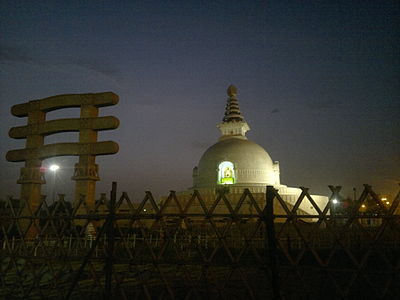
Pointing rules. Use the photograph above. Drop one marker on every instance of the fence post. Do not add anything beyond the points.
(110, 244)
(271, 240)
(87, 257)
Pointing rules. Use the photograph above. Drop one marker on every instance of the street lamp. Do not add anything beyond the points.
(54, 169)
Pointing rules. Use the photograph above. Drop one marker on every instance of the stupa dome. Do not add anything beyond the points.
(250, 164)
(235, 160)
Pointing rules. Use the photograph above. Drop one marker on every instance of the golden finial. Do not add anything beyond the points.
(232, 90)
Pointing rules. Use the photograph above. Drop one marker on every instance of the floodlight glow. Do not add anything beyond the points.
(383, 198)
(334, 201)
(226, 173)
(54, 168)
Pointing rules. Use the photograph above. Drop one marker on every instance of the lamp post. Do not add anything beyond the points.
(54, 169)
(334, 207)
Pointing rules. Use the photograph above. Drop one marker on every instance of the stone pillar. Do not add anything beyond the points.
(86, 170)
(31, 177)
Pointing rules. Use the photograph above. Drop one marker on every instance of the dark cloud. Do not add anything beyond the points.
(323, 104)
(96, 65)
(24, 55)
(14, 54)
(274, 111)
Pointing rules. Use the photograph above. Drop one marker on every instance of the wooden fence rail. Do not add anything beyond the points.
(121, 249)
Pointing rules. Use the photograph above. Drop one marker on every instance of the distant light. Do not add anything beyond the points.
(334, 201)
(144, 209)
(387, 202)
(54, 168)
(383, 198)
(363, 206)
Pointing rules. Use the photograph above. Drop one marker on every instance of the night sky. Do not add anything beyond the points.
(318, 83)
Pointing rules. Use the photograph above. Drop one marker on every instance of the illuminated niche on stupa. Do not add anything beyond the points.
(226, 173)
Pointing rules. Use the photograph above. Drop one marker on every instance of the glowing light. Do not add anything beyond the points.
(54, 168)
(363, 206)
(383, 198)
(334, 201)
(387, 202)
(226, 173)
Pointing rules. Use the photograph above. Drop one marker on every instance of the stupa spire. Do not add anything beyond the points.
(232, 110)
(233, 124)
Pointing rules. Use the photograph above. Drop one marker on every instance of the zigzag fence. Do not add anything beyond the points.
(121, 249)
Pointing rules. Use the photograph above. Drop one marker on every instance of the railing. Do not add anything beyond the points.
(201, 248)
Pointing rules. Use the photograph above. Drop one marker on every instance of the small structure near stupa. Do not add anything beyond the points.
(87, 148)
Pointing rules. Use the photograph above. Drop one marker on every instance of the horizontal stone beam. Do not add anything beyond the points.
(65, 101)
(64, 125)
(63, 149)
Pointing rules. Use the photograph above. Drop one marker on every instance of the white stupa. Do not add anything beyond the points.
(234, 160)
(235, 163)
